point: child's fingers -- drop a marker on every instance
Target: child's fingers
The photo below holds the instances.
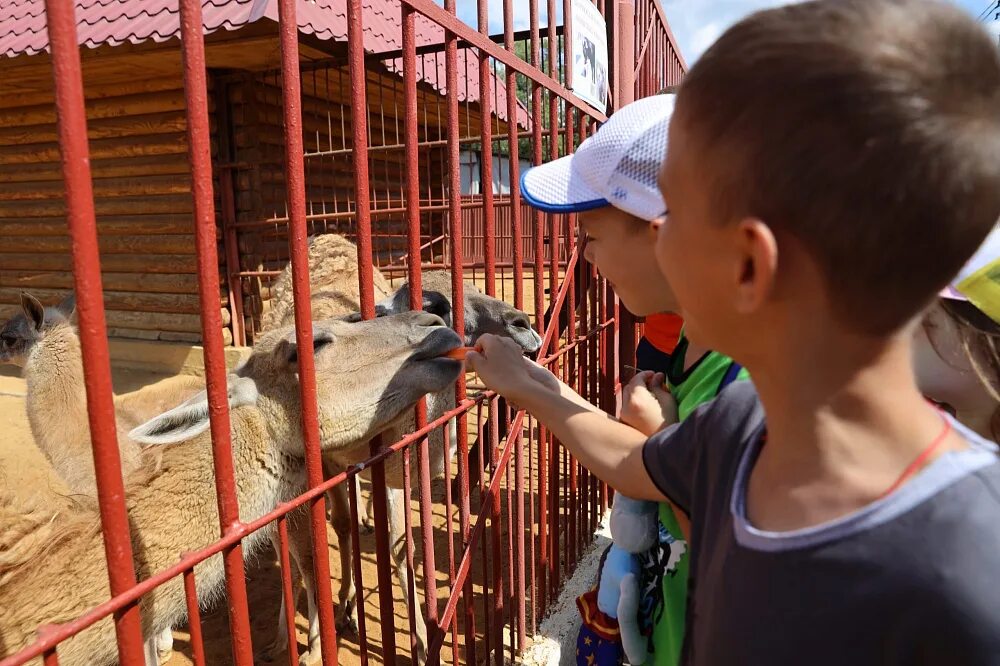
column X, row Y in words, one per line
column 473, row 359
column 640, row 379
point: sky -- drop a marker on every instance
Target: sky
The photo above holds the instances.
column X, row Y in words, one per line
column 698, row 23
column 695, row 23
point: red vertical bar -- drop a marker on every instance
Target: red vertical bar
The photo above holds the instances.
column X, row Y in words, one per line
column 555, row 260
column 412, row 607
column 287, row 591
column 554, row 123
column 538, row 229
column 513, row 141
column 291, row 97
column 416, row 303
column 200, row 156
column 458, row 314
column 626, row 94
column 72, row 126
column 486, row 152
column 356, row 566
column 194, row 618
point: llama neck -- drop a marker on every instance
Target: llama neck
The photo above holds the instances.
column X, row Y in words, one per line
column 57, row 405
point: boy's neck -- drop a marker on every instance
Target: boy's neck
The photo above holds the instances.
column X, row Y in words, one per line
column 693, row 354
column 842, row 427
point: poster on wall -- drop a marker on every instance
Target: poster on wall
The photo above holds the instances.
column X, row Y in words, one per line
column 590, row 54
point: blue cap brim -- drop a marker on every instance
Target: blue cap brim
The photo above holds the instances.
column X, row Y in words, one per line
column 560, row 171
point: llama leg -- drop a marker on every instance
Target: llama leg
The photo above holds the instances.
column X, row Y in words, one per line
column 397, row 542
column 279, row 645
column 300, row 548
column 313, row 652
column 164, row 645
column 340, row 509
column 149, row 655
column 366, row 508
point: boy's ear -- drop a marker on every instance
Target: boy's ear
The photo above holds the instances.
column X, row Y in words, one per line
column 758, row 254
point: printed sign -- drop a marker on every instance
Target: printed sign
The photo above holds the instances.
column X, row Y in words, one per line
column 590, row 54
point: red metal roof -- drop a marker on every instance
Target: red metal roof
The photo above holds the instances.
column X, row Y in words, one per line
column 114, row 22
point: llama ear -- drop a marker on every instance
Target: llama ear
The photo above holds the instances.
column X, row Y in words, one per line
column 190, row 418
column 288, row 349
column 68, row 305
column 436, row 303
column 180, row 424
column 33, row 310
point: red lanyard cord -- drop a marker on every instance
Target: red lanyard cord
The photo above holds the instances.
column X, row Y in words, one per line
column 920, row 460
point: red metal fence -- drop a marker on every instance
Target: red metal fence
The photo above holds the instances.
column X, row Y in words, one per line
column 486, row 581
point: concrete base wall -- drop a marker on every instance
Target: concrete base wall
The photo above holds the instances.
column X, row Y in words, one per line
column 555, row 644
column 166, row 357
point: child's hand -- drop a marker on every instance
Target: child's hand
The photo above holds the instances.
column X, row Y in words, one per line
column 503, row 368
column 646, row 405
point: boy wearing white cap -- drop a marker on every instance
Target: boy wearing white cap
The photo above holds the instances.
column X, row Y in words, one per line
column 610, row 182
column 832, row 165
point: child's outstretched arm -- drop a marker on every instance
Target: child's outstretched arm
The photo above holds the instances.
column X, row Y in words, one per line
column 608, row 448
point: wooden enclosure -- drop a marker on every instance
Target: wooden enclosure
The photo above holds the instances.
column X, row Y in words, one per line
column 136, row 127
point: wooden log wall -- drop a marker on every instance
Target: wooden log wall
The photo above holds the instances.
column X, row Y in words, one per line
column 255, row 113
column 142, row 198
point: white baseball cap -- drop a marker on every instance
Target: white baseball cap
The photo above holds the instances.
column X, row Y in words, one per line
column 617, row 166
column 979, row 280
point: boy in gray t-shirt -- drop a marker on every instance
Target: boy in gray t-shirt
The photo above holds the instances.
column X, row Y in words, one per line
column 831, row 165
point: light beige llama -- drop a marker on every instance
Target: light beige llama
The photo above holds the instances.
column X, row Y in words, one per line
column 43, row 341
column 52, row 565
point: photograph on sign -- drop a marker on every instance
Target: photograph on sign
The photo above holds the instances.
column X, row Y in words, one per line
column 590, row 54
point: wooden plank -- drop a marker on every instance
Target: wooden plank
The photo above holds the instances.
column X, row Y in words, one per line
column 114, row 263
column 170, row 203
column 103, row 187
column 118, row 300
column 99, row 107
column 144, row 321
column 145, row 282
column 32, row 85
column 159, row 244
column 159, row 143
column 107, row 225
column 105, row 128
column 115, row 167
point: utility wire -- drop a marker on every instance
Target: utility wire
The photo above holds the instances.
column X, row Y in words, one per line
column 993, row 6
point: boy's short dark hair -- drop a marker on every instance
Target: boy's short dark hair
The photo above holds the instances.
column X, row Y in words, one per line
column 869, row 130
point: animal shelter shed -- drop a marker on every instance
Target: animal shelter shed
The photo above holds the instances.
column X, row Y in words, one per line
column 133, row 82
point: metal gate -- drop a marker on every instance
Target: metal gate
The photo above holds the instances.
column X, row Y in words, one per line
column 491, row 553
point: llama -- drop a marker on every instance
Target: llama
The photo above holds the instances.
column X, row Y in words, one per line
column 44, row 343
column 52, row 566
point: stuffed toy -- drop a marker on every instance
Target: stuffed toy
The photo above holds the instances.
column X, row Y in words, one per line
column 610, row 613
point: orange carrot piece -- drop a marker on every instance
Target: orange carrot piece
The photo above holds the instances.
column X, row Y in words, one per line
column 460, row 353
